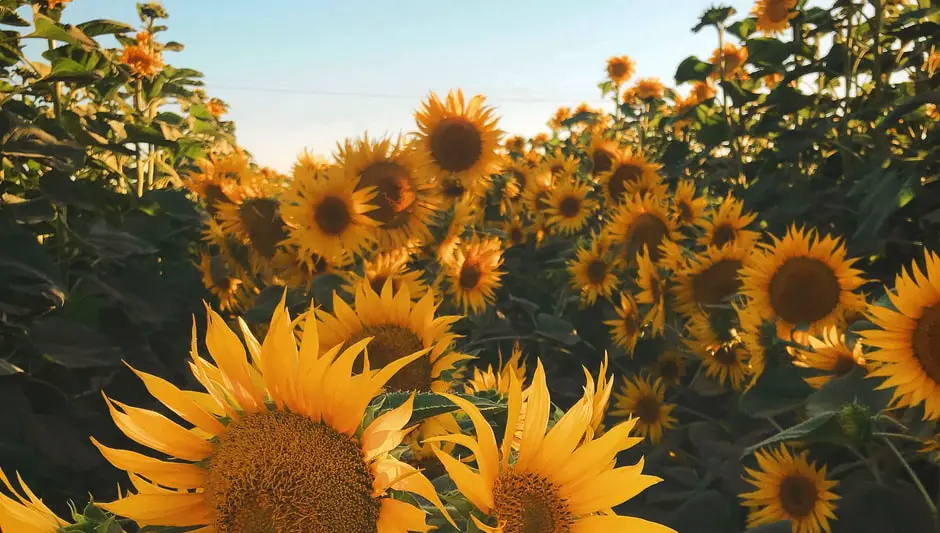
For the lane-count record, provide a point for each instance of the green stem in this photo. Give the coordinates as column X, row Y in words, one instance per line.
column 56, row 91
column 726, row 105
column 701, row 415
column 898, row 436
column 871, row 468
column 774, row 423
column 139, row 107
column 914, row 478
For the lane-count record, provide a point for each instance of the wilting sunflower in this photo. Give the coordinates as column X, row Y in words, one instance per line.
column 652, row 292
column 602, row 152
column 789, row 487
column 627, row 167
column 688, row 208
column 648, row 185
column 710, row 279
column 649, row 89
column 498, row 380
column 620, row 69
column 669, row 367
column 328, row 216
column 593, row 272
column 569, row 208
column 625, row 329
column 473, row 273
column 561, row 114
column 218, row 179
column 726, row 225
column 829, row 354
column 143, row 62
column 389, row 266
column 907, row 346
column 641, row 222
column 729, row 62
column 643, row 398
column 802, row 279
column 554, row 485
column 25, row 513
column 457, row 139
column 404, row 202
column 773, row 16
column 276, row 443
column 228, row 287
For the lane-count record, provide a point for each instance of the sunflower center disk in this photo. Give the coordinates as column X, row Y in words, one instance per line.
column 843, row 365
column 647, row 409
column 669, row 370
column 602, row 161
column 281, row 472
column 378, row 282
column 926, row 342
column 262, row 221
column 391, row 343
column 333, row 216
column 214, row 195
column 725, row 356
column 686, row 214
column 530, row 503
column 456, row 145
column 623, row 176
column 394, row 193
column 470, row 276
column 597, row 271
column 569, row 207
column 617, row 70
column 717, row 283
column 723, row 234
column 798, row 495
column 520, row 178
column 804, row 290
column 647, row 230
column 515, row 235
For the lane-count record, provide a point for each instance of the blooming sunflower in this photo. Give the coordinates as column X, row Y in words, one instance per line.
column 907, row 348
column 229, row 288
column 389, row 266
column 473, row 273
column 561, row 166
column 143, row 62
column 554, row 485
column 829, row 354
column 457, row 139
column 726, row 225
column 620, row 69
column 404, row 202
column 673, row 256
column 278, row 443
column 649, row 89
column 627, row 167
column 710, row 279
column 602, row 152
column 498, row 380
column 625, row 329
column 726, row 362
column 601, row 398
column 561, row 114
column 643, row 398
column 518, row 174
column 255, row 219
column 773, row 16
column 802, row 279
column 669, row 367
column 328, row 216
column 789, row 487
column 592, row 272
column 569, row 208
column 294, row 269
column 702, row 91
column 647, row 185
column 641, row 222
column 25, row 513
column 218, row 178
column 216, row 107
column 729, row 62
column 309, row 166
column 537, row 191
column 514, row 144
column 652, row 292
column 688, row 208
column 514, row 230
column 56, row 3
column 932, row 65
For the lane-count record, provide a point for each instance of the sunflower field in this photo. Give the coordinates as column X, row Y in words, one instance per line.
column 708, row 308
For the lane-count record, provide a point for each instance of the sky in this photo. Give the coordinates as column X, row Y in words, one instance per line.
column 308, row 73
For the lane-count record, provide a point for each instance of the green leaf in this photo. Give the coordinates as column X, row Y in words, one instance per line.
column 173, row 46
column 778, row 390
column 743, row 28
column 69, row 70
column 824, row 427
column 71, row 344
column 8, row 369
column 583, row 117
column 556, row 328
column 713, row 16
column 739, row 96
column 767, row 52
column 96, row 27
column 24, row 257
column 200, row 111
column 429, row 404
column 854, row 387
column 59, row 188
column 18, row 139
column 112, row 244
column 693, row 69
column 46, row 28
column 146, row 134
column 9, row 17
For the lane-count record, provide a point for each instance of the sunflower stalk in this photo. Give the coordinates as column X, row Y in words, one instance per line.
column 910, row 472
column 726, row 105
column 139, row 107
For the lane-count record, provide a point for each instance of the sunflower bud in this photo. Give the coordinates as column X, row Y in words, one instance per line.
column 855, row 421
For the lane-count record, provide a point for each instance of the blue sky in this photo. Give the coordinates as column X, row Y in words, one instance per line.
column 273, row 62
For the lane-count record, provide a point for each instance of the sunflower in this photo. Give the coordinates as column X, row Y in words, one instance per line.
column 514, row 144
column 328, row 216
column 725, row 361
column 906, row 347
column 562, row 167
column 729, row 62
column 518, row 174
column 932, row 65
column 600, row 393
column 710, row 279
column 641, row 222
column 279, row 441
column 649, row 89
column 829, row 354
column 759, row 335
column 652, row 292
column 620, row 69
column 554, row 484
column 602, row 152
column 569, row 207
column 404, row 203
column 457, row 139
column 294, row 269
column 472, row 271
column 255, row 219
column 514, row 230
column 669, row 367
column 627, row 167
column 648, row 185
column 593, row 272
column 561, row 114
column 25, row 513
column 726, row 225
column 143, row 62
column 772, row 80
column 498, row 380
column 308, row 166
column 629, row 96
column 673, row 256
column 688, row 208
column 643, row 398
column 773, row 16
column 789, row 487
column 218, row 179
column 537, row 191
column 390, row 266
column 625, row 329
column 702, row 91
column 56, row 3
column 230, row 289
column 802, row 279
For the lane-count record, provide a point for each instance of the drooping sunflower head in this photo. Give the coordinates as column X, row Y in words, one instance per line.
column 726, row 225
column 143, row 62
column 457, row 139
column 24, row 512
column 729, row 62
column 803, row 279
column 625, row 329
column 687, row 209
column 561, row 114
column 907, row 343
column 229, row 287
column 641, row 222
column 473, row 273
column 328, row 216
column 626, row 168
column 620, row 69
column 593, row 272
column 669, row 367
column 710, row 280
column 644, row 399
column 277, row 442
column 789, row 487
column 569, row 207
column 773, row 16
column 727, row 362
column 649, row 89
column 829, row 354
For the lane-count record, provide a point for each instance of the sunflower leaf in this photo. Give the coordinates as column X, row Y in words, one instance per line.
column 823, row 427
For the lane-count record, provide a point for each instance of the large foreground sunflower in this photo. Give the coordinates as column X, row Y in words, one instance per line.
column 626, row 168
column 569, row 207
column 275, row 442
column 789, row 487
column 710, row 279
column 593, row 272
column 473, row 273
column 555, row 483
column 644, row 399
column 25, row 513
column 802, row 279
column 457, row 139
column 641, row 222
column 907, row 345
